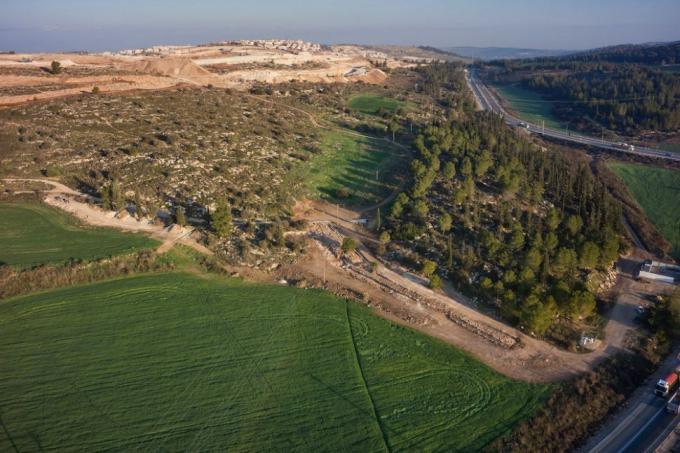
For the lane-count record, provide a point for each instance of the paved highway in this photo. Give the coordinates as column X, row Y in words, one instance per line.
column 488, row 101
column 642, row 425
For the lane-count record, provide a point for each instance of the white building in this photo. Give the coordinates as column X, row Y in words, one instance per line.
column 659, row 272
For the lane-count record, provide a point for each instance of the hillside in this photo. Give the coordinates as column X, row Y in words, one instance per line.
column 650, row 54
column 626, row 90
column 502, row 53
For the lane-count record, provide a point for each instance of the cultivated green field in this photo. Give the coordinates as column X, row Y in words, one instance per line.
column 657, row 190
column 529, row 105
column 351, row 161
column 32, row 234
column 187, row 363
column 371, row 103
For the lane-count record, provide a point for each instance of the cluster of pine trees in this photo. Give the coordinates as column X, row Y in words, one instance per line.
column 657, row 54
column 510, row 222
column 445, row 83
column 624, row 98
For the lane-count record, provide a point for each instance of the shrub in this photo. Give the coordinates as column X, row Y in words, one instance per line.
column 348, row 245
column 575, row 410
column 55, row 67
column 342, row 192
column 180, row 217
column 429, row 267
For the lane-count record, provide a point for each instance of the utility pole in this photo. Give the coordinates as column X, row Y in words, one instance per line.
column 376, row 174
column 542, row 127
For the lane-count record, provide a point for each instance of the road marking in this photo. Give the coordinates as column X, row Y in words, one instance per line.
column 615, row 432
column 649, row 422
column 664, row 433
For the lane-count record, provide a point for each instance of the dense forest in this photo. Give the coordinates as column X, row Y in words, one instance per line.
column 645, row 54
column 649, row 54
column 620, row 88
column 507, row 221
column 624, row 98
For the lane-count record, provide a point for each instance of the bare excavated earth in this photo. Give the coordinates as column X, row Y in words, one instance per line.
column 26, row 77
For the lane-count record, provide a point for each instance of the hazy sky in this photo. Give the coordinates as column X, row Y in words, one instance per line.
column 35, row 25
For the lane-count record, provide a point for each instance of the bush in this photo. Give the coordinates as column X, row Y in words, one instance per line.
column 435, row 282
column 95, row 90
column 15, row 283
column 429, row 267
column 342, row 193
column 348, row 245
column 55, row 67
column 575, row 410
column 180, row 217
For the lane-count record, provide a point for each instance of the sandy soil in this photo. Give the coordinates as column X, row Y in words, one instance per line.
column 115, row 73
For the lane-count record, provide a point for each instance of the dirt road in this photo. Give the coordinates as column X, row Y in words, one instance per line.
column 67, row 199
column 396, row 294
column 400, row 296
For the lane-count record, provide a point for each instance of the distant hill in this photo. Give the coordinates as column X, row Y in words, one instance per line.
column 652, row 53
column 423, row 52
column 503, row 53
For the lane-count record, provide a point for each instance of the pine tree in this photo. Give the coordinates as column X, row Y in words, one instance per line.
column 106, row 198
column 180, row 217
column 449, row 255
column 222, row 219
column 138, row 204
column 116, row 196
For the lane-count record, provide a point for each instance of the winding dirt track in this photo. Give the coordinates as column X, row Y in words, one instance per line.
column 65, row 198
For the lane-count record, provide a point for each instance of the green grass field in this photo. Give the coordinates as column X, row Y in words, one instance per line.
column 657, row 191
column 32, row 234
column 371, row 103
column 529, row 105
column 187, row 363
column 351, row 161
